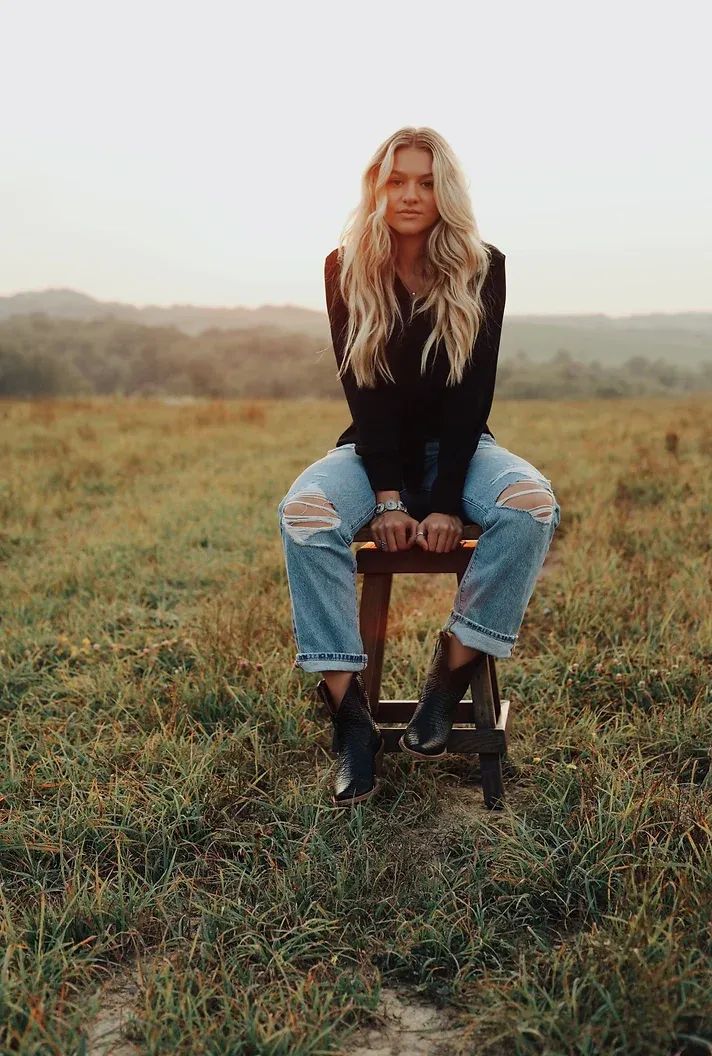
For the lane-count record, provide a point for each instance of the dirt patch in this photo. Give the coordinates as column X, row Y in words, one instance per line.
column 117, row 998
column 461, row 804
column 406, row 1026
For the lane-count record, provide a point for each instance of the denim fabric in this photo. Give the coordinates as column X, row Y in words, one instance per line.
column 493, row 595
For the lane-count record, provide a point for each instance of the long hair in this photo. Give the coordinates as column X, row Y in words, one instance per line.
column 456, row 265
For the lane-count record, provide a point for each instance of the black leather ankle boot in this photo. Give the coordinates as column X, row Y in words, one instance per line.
column 426, row 734
column 357, row 743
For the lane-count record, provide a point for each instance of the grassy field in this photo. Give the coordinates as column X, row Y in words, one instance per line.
column 172, row 880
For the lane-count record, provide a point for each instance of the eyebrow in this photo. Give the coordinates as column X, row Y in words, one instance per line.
column 397, row 172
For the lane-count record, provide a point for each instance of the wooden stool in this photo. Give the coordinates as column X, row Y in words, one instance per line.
column 486, row 711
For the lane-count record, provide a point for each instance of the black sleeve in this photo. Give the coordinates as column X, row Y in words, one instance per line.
column 376, row 412
column 465, row 407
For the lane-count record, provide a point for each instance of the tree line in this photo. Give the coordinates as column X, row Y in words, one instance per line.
column 45, row 356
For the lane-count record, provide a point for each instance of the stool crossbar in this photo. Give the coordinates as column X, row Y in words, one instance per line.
column 481, row 724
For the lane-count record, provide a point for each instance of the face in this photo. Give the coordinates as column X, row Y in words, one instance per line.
column 410, row 188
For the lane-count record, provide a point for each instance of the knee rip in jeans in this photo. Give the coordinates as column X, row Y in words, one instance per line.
column 308, row 512
column 529, row 498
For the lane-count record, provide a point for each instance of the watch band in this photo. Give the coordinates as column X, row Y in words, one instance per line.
column 389, row 505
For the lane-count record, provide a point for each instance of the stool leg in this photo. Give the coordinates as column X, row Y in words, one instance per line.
column 486, row 712
column 373, row 621
column 483, row 706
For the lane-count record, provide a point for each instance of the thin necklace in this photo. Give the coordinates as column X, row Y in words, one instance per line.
column 413, row 293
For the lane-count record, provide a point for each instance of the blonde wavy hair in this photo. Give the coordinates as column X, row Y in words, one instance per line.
column 456, row 265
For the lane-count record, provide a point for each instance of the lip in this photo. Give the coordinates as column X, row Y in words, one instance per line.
column 409, row 212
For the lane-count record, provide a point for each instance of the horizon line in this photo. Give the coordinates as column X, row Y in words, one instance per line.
column 322, row 311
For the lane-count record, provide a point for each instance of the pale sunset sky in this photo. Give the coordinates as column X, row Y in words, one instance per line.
column 210, row 152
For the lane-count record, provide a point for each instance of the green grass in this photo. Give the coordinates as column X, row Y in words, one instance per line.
column 165, row 775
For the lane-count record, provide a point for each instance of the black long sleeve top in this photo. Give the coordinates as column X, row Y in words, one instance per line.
column 391, row 422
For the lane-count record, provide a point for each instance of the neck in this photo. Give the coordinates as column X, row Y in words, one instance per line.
column 410, row 251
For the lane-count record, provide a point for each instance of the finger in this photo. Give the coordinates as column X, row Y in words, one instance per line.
column 441, row 548
column 391, row 538
column 421, row 539
column 401, row 534
column 433, row 539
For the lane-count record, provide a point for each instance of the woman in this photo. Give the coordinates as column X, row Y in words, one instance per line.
column 415, row 302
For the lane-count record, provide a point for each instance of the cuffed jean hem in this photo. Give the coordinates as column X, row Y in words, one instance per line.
column 331, row 661
column 478, row 637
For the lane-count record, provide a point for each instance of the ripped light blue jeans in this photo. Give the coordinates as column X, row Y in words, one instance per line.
column 332, row 499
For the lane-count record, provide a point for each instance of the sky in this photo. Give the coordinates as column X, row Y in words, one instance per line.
column 210, row 152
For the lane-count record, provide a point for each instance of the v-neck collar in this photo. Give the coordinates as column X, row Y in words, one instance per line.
column 402, row 284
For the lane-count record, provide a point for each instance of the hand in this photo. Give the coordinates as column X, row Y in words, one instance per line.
column 395, row 528
column 443, row 532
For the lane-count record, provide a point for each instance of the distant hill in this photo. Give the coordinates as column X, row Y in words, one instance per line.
column 609, row 340
column 190, row 319
column 682, row 338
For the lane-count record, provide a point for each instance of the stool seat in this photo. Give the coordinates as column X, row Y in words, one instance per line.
column 480, row 725
column 470, row 531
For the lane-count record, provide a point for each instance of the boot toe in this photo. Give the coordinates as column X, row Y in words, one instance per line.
column 353, row 791
column 426, row 746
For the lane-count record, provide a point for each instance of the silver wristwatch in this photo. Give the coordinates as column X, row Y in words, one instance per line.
column 389, row 504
